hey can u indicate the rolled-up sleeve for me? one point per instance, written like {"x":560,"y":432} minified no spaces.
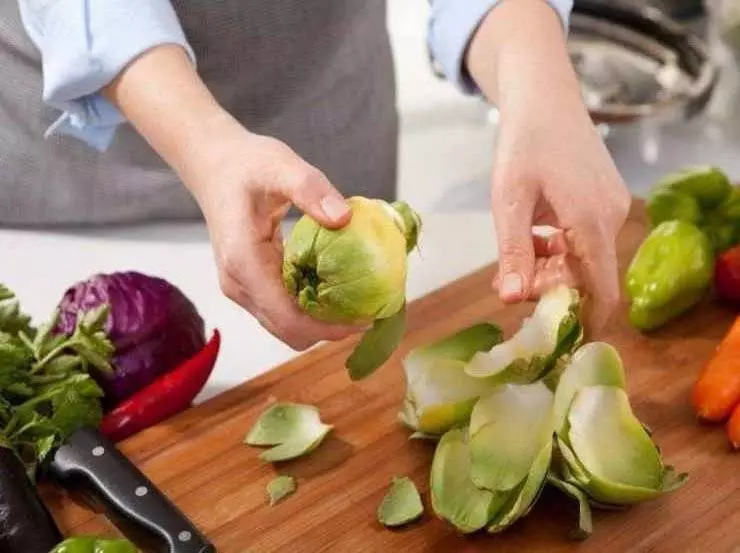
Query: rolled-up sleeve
{"x":84,"y":45}
{"x":451,"y":27}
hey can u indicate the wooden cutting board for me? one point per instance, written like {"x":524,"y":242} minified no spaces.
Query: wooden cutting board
{"x":198,"y":458}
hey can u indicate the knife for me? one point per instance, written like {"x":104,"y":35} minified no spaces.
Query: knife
{"x":90,"y":463}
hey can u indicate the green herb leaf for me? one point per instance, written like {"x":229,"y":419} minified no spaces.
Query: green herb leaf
{"x":12,"y":319}
{"x":76,"y":403}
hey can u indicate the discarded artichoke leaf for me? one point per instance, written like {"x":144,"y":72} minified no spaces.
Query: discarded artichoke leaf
{"x":292,"y":428}
{"x":279,"y":488}
{"x":552,"y":331}
{"x":455,"y":498}
{"x":508,"y":428}
{"x":609,"y":440}
{"x":596,"y":363}
{"x":401,"y":505}
{"x":422,"y":436}
{"x":585,"y":524}
{"x":407,"y":415}
{"x":439,"y":395}
{"x":573,"y":470}
{"x":377,"y":345}
{"x":523,"y":501}
{"x":621,"y":463}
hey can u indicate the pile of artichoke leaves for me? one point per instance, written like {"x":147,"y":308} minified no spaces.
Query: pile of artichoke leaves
{"x":540,"y":408}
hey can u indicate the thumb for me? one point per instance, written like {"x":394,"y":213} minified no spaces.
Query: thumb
{"x":314,"y":195}
{"x":516,"y":250}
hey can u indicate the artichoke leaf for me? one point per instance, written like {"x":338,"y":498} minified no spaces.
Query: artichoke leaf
{"x":377,"y":345}
{"x":532,"y":352}
{"x":279,"y":488}
{"x":455,"y":498}
{"x":508,"y":428}
{"x":439,"y":394}
{"x":585,"y":523}
{"x":401,"y":504}
{"x":622,"y":464}
{"x":292,"y":429}
{"x":521,"y":503}
{"x":596,"y":363}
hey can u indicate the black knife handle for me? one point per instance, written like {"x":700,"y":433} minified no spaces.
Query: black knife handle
{"x":90,"y":461}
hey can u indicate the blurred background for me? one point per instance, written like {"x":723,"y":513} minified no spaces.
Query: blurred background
{"x":664,"y":72}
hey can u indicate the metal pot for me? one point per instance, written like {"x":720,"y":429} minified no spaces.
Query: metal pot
{"x":636,"y":63}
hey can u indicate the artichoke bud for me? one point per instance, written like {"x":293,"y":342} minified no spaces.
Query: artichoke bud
{"x":354,"y":274}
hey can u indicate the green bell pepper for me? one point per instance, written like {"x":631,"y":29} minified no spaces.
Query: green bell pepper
{"x":709,"y":186}
{"x":671,"y":272}
{"x":92,"y":544}
{"x":670,"y":205}
{"x":722,"y":233}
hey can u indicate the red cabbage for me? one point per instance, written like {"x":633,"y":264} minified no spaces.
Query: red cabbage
{"x":152,"y":324}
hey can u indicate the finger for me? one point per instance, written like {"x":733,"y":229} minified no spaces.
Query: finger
{"x":597,"y":259}
{"x":310,"y":190}
{"x":551,"y":272}
{"x":547,"y":246}
{"x":513,"y":221}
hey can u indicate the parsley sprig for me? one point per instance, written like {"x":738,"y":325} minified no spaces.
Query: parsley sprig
{"x":46,"y":391}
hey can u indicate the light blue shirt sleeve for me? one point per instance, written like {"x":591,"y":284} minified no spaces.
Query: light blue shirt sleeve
{"x":451,"y":27}
{"x":84,"y":45}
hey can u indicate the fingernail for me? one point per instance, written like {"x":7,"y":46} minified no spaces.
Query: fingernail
{"x":511,"y":285}
{"x":334,"y":208}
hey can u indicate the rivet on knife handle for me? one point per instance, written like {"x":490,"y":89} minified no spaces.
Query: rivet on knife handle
{"x":91,"y":461}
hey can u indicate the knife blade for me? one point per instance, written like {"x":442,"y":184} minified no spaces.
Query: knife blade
{"x":90,"y":463}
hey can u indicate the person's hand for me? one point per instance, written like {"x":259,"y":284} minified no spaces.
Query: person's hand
{"x":243,"y":182}
{"x":245,"y":189}
{"x":551,"y":166}
{"x":552,"y":169}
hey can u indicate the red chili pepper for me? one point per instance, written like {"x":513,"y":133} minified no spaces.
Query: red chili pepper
{"x":727,"y":275}
{"x":170,"y":394}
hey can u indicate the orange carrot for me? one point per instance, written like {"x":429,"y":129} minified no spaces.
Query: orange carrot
{"x":717,"y":390}
{"x":733,"y":428}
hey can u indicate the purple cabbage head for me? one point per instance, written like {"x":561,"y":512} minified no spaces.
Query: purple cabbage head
{"x":152,"y":324}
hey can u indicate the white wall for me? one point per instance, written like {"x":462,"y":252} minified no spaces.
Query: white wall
{"x":446,"y":140}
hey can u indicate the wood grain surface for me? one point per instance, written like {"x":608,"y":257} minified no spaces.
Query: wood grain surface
{"x":198,"y":458}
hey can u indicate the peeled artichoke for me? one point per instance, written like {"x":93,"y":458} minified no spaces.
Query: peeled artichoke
{"x":356,"y":275}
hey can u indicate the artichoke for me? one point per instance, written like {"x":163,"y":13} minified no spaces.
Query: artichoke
{"x":356,"y":275}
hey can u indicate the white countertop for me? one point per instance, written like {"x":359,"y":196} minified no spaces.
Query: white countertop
{"x":39,"y":266}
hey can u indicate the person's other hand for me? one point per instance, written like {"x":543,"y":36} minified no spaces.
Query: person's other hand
{"x":245,"y":190}
{"x":552,"y":169}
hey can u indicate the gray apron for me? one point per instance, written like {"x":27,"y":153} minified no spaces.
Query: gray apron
{"x":318,"y":76}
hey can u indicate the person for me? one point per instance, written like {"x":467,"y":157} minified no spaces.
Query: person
{"x":108,"y":108}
